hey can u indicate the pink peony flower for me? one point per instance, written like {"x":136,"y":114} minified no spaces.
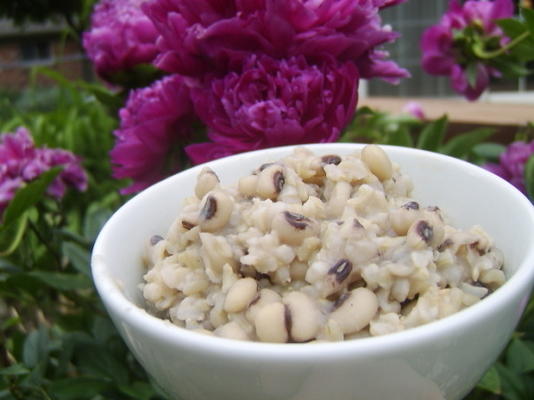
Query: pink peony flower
{"x":443,"y":54}
{"x":21,"y":161}
{"x":415,"y":109}
{"x":205,"y":35}
{"x":512,"y":162}
{"x":121,"y":37}
{"x":155,"y":123}
{"x":274,"y":103}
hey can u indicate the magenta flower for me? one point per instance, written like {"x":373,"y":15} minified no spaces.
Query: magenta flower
{"x":512,"y":162}
{"x":121,"y":37}
{"x":447,"y":53}
{"x":21,"y":161}
{"x":155,"y":124}
{"x":274,"y":103}
{"x":415,"y":109}
{"x":205,"y":35}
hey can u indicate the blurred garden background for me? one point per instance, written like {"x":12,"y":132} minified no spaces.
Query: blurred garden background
{"x":98,"y":100}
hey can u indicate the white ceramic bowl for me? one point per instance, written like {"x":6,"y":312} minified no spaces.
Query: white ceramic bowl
{"x":441,"y":360}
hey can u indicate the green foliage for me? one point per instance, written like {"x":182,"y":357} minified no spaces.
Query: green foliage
{"x":404,"y":130}
{"x":57,"y":341}
{"x":512,"y":376}
{"x":512,"y":57}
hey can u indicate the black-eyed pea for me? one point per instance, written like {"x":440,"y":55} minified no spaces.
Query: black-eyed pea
{"x":271,"y":181}
{"x":436,"y":220}
{"x":247,"y":185}
{"x":402,"y":218}
{"x":207,"y":180}
{"x":303,"y":318}
{"x":331,"y":159}
{"x":215,"y":211}
{"x":378,"y":162}
{"x":425,"y":232}
{"x":240,"y":295}
{"x":355,"y":310}
{"x":420,"y":235}
{"x":337,"y":277}
{"x":155,"y":239}
{"x":263,"y":297}
{"x":341,"y":270}
{"x":271,"y":323}
{"x":293,"y":228}
{"x":232,"y":330}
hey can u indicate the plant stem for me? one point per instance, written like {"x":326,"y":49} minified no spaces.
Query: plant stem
{"x":496,"y":53}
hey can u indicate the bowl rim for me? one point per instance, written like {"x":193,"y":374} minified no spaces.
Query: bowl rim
{"x":152,"y":326}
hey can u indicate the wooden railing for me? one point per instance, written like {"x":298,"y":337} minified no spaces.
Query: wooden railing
{"x":463,"y":115}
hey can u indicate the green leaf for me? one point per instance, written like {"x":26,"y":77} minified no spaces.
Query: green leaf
{"x":62,"y":281}
{"x":10,"y":322}
{"x":523,"y":49}
{"x":460,"y":146}
{"x":5,"y":265}
{"x":510,"y":67}
{"x":28,"y":196}
{"x":489,"y":151}
{"x":78,"y":257}
{"x":78,"y":388}
{"x":401,"y":137}
{"x":432,"y":134}
{"x":512,"y":385}
{"x":138,"y":390}
{"x":103,"y":329}
{"x":528,"y":16}
{"x":520,"y":357}
{"x":11,"y":235}
{"x":98,"y":361}
{"x":491,"y":381}
{"x":94,"y":221}
{"x":472,"y":74}
{"x":111,"y":100}
{"x":14,"y":370}
{"x":511,"y":27}
{"x":529,"y":177}
{"x":35,"y":349}
{"x":140,"y":75}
